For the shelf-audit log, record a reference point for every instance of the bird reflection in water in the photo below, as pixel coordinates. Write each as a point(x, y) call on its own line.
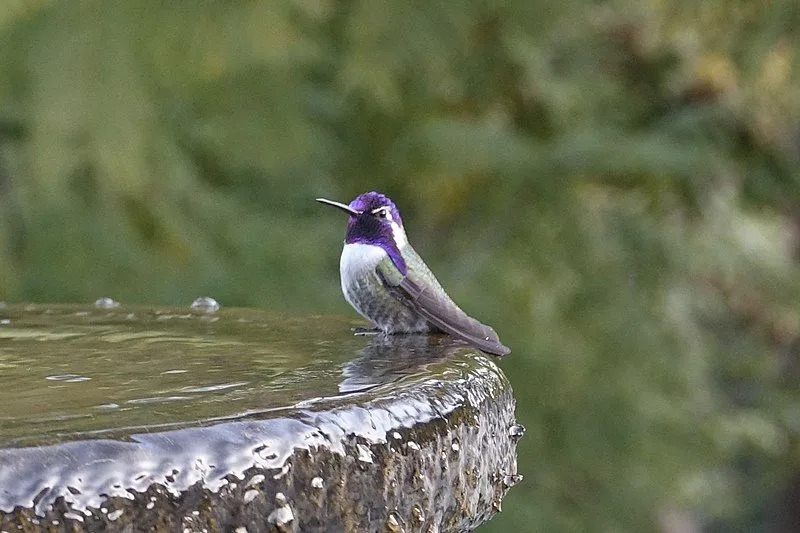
point(390, 358)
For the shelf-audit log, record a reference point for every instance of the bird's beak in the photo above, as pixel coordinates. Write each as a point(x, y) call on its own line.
point(343, 207)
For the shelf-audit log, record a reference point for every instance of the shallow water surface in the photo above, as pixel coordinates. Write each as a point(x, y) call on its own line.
point(76, 372)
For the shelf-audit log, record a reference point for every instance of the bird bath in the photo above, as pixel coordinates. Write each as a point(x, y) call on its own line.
point(177, 419)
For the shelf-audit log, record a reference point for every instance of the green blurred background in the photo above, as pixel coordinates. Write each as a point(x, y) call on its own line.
point(613, 185)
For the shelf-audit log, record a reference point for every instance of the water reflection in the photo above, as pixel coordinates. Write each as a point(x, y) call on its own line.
point(68, 378)
point(390, 358)
point(68, 372)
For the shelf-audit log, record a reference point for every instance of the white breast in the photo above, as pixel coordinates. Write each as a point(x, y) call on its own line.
point(357, 261)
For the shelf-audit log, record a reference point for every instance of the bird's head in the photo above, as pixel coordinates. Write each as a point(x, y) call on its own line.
point(375, 220)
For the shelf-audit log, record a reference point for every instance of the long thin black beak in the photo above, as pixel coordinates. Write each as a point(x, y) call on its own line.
point(343, 207)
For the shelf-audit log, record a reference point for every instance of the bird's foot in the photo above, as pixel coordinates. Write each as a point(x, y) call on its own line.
point(366, 331)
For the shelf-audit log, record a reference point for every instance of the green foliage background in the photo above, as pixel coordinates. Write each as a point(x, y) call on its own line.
point(613, 185)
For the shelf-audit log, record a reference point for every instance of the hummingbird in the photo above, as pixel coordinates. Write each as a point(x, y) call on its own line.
point(389, 284)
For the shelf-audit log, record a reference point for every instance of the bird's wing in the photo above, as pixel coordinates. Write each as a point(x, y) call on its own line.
point(418, 293)
point(449, 319)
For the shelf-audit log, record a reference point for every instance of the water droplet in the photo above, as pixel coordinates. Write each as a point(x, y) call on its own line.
point(283, 515)
point(205, 304)
point(255, 480)
point(364, 454)
point(105, 303)
point(516, 431)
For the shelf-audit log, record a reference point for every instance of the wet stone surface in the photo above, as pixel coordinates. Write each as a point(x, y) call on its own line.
point(128, 419)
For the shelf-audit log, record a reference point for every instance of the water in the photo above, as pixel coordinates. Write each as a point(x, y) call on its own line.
point(70, 372)
point(115, 415)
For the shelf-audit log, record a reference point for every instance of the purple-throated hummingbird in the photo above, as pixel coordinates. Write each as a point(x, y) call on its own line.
point(388, 283)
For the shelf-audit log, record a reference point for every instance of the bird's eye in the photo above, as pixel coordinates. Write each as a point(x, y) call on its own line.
point(382, 212)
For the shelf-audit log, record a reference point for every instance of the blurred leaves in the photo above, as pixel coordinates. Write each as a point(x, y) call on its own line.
point(613, 185)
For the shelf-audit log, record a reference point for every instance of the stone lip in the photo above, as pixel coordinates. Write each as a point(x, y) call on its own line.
point(401, 450)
